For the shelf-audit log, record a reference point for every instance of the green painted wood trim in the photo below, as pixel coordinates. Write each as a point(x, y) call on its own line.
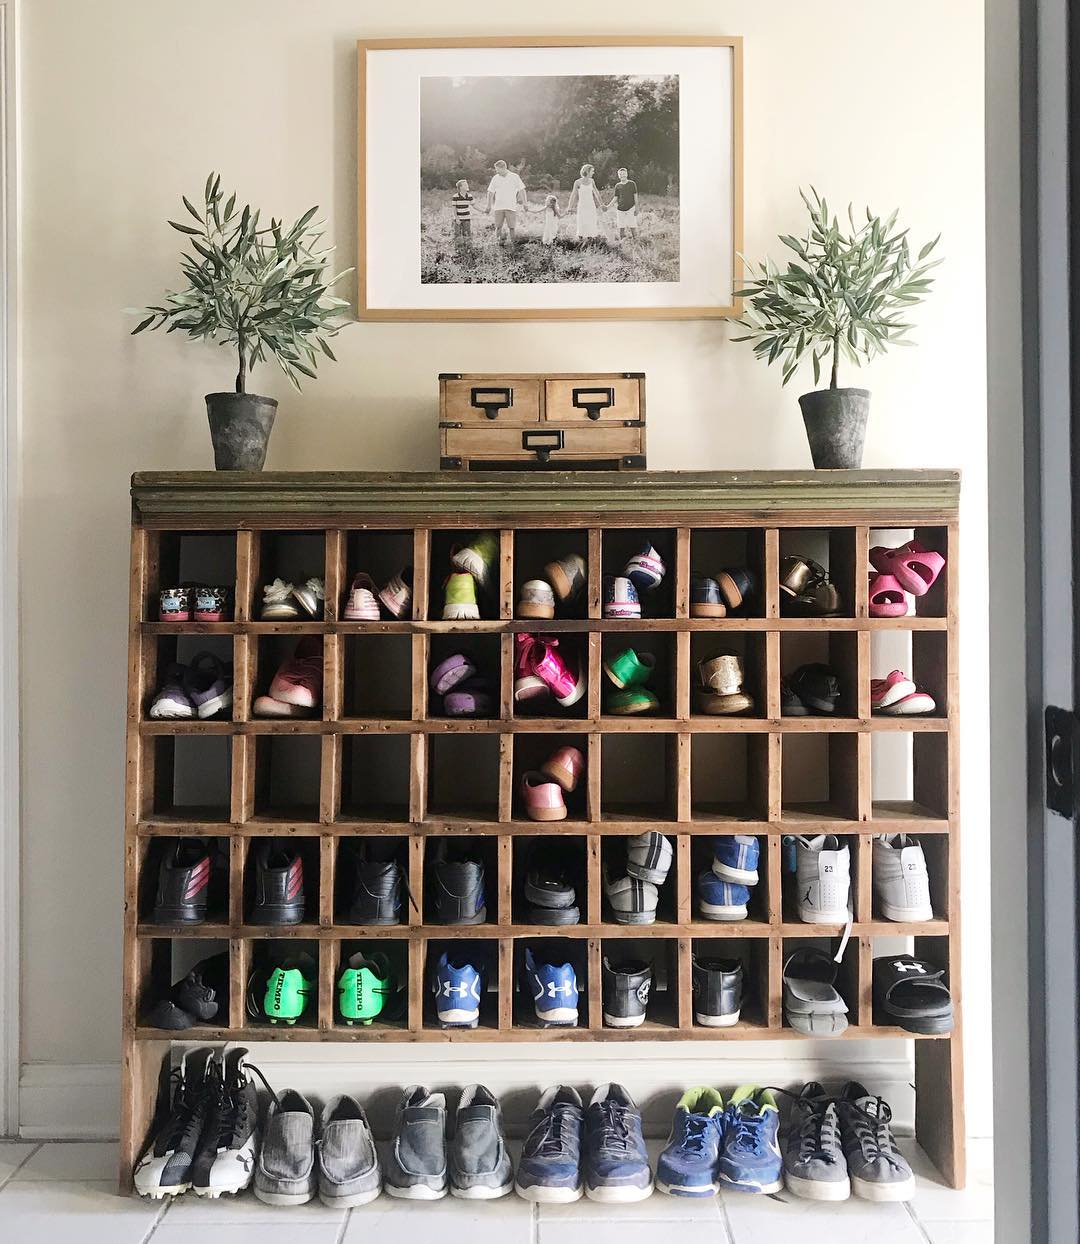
point(238, 494)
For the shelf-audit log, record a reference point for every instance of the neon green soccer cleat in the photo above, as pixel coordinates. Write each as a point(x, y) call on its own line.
point(288, 989)
point(363, 988)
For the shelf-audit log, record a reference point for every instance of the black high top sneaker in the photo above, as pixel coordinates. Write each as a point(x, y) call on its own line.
point(376, 888)
point(165, 1168)
point(625, 987)
point(225, 1159)
point(717, 987)
point(279, 885)
point(458, 886)
point(183, 883)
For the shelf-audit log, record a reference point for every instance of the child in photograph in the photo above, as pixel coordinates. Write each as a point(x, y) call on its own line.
point(461, 201)
point(625, 200)
point(552, 216)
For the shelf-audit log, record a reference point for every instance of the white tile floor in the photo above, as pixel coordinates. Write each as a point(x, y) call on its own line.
point(66, 1191)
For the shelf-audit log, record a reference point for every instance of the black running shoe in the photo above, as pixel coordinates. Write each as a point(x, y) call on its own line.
point(547, 882)
point(279, 884)
point(376, 888)
point(165, 1168)
point(458, 886)
point(626, 985)
point(183, 883)
point(225, 1159)
point(204, 992)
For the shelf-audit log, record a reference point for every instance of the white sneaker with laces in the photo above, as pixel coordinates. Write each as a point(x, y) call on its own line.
point(901, 882)
point(823, 880)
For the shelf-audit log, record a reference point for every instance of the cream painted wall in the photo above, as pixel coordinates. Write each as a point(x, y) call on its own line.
point(127, 104)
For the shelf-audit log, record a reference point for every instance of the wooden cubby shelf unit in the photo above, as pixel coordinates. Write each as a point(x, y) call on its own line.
point(689, 775)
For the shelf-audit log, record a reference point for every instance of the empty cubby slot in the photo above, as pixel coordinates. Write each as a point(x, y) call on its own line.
point(279, 871)
point(729, 777)
point(371, 984)
point(167, 999)
point(716, 552)
point(713, 680)
point(819, 777)
point(545, 869)
point(847, 970)
point(304, 656)
point(464, 956)
point(704, 849)
point(371, 876)
point(191, 776)
point(458, 597)
point(614, 854)
point(461, 879)
point(181, 651)
point(378, 676)
point(647, 966)
point(620, 545)
point(283, 983)
point(888, 874)
point(179, 875)
point(534, 751)
point(642, 661)
point(639, 778)
point(287, 771)
point(833, 550)
point(534, 552)
point(463, 675)
point(294, 557)
point(382, 555)
point(206, 558)
point(932, 603)
point(534, 698)
point(909, 775)
point(375, 777)
point(463, 776)
point(716, 958)
point(802, 653)
point(801, 897)
point(934, 950)
point(534, 987)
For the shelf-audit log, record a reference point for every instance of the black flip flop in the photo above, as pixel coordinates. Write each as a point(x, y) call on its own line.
point(911, 991)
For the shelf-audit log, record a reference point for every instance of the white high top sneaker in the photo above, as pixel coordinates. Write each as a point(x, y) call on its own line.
point(901, 883)
point(823, 880)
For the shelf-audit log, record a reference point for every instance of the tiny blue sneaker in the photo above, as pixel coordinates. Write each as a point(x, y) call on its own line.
point(554, 992)
point(549, 1171)
point(687, 1167)
point(750, 1158)
point(736, 859)
point(620, 598)
point(645, 569)
point(721, 900)
point(616, 1162)
point(456, 986)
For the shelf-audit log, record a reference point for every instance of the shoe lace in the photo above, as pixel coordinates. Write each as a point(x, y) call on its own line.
point(698, 1127)
point(553, 1139)
point(747, 1129)
point(873, 1131)
point(819, 1129)
point(190, 1102)
point(616, 1137)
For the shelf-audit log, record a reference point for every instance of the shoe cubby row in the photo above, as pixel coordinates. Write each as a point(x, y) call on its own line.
point(506, 1003)
point(843, 781)
point(244, 561)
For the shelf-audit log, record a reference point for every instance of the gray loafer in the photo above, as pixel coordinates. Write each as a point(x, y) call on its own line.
point(480, 1168)
point(285, 1174)
point(349, 1172)
point(416, 1164)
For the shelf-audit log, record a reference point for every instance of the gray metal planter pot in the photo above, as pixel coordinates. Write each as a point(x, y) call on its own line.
point(240, 427)
point(835, 422)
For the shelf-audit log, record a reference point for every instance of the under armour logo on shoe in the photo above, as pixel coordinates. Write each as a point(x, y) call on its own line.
point(900, 966)
point(448, 989)
point(566, 988)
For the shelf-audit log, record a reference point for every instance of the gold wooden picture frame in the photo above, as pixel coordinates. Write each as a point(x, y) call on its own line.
point(631, 255)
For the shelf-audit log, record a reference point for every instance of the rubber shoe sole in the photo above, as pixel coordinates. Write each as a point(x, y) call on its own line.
point(686, 1190)
point(619, 1194)
point(869, 1191)
point(541, 1194)
point(817, 1189)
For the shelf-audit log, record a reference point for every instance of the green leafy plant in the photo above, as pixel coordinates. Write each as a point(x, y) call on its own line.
point(262, 289)
point(846, 296)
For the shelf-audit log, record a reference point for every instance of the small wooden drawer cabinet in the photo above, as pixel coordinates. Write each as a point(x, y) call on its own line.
point(487, 422)
point(380, 762)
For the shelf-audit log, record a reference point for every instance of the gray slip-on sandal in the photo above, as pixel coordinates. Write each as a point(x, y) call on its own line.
point(812, 1004)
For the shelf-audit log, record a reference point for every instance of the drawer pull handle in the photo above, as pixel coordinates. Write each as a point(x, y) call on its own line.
point(593, 401)
point(491, 401)
point(542, 443)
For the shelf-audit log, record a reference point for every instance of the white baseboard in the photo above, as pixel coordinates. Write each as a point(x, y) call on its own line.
point(81, 1101)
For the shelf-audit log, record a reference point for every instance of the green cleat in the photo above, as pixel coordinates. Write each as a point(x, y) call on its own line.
point(363, 988)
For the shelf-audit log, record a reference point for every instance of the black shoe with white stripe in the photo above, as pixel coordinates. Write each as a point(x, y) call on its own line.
point(626, 985)
point(165, 1168)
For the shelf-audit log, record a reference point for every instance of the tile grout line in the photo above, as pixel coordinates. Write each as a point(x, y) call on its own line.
point(534, 1223)
point(909, 1206)
point(18, 1167)
point(158, 1221)
point(725, 1220)
point(344, 1226)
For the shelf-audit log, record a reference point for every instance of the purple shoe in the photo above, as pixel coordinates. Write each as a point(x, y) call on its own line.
point(472, 698)
point(447, 674)
point(209, 685)
point(171, 700)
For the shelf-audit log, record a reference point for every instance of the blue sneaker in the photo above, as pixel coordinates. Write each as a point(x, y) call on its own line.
point(616, 1162)
point(456, 986)
point(736, 859)
point(554, 992)
point(687, 1167)
point(721, 900)
point(620, 598)
point(750, 1159)
point(550, 1167)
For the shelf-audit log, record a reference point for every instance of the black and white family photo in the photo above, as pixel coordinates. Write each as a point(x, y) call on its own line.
point(548, 179)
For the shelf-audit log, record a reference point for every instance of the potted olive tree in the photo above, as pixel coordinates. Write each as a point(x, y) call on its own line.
point(262, 289)
point(846, 297)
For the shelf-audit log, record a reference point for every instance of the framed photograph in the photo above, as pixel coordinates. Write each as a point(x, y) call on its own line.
point(549, 178)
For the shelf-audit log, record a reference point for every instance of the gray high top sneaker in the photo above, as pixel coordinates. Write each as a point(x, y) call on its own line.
point(480, 1168)
point(814, 1163)
point(349, 1171)
point(416, 1163)
point(285, 1173)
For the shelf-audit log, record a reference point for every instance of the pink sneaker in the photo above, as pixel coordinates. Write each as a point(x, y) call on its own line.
point(361, 604)
point(527, 684)
point(565, 766)
point(566, 686)
point(299, 680)
point(543, 798)
point(887, 691)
